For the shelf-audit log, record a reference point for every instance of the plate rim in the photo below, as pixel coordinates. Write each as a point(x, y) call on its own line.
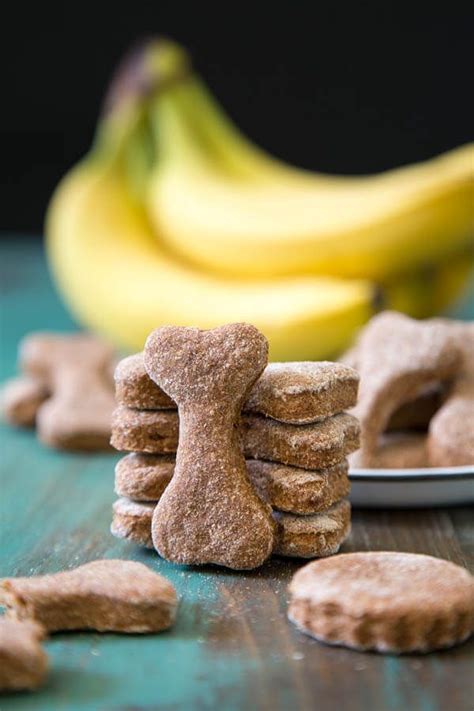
point(420, 474)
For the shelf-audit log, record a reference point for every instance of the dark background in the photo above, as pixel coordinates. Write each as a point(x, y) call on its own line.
point(345, 87)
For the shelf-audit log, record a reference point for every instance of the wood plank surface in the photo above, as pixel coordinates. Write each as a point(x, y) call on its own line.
point(232, 647)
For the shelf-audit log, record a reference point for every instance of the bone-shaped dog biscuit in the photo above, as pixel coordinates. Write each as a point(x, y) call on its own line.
point(451, 430)
point(210, 512)
point(20, 400)
point(104, 595)
point(396, 357)
point(76, 371)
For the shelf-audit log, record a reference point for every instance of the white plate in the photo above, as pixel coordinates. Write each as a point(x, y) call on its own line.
point(386, 488)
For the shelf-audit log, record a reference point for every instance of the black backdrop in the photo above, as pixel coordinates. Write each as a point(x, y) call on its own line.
point(348, 87)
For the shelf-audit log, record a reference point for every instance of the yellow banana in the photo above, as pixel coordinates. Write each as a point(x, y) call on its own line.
point(119, 280)
point(116, 272)
point(247, 215)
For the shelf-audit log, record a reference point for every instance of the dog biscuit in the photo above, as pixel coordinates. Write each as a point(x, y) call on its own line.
point(397, 356)
point(134, 388)
point(397, 450)
point(313, 536)
point(210, 513)
point(146, 431)
point(416, 414)
point(451, 430)
point(315, 446)
point(290, 392)
point(20, 400)
point(23, 661)
point(387, 602)
point(105, 595)
point(132, 520)
point(299, 491)
point(75, 369)
point(143, 477)
point(299, 393)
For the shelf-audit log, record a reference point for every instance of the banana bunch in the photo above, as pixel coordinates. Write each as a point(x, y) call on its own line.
point(174, 217)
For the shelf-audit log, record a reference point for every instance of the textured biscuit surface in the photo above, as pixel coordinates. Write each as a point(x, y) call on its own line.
point(20, 399)
point(146, 431)
point(314, 536)
point(389, 602)
point(132, 520)
point(416, 414)
point(310, 536)
point(143, 477)
point(397, 450)
point(299, 491)
point(134, 387)
point(314, 446)
point(75, 368)
point(289, 392)
point(303, 392)
point(396, 357)
point(210, 513)
point(23, 661)
point(105, 595)
point(451, 430)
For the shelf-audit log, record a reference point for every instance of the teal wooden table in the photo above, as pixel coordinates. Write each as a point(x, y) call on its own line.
point(232, 646)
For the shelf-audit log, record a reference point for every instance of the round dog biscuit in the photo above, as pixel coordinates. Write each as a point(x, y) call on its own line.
point(314, 536)
point(388, 602)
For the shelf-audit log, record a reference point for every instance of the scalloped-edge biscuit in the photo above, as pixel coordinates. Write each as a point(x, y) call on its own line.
point(23, 661)
point(315, 536)
point(384, 601)
point(149, 431)
point(134, 387)
point(300, 393)
point(315, 446)
point(299, 491)
point(297, 393)
point(132, 520)
point(144, 477)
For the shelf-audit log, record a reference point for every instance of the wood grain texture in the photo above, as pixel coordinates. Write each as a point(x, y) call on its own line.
point(232, 647)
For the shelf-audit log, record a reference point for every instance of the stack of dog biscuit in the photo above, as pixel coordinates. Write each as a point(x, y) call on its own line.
point(296, 439)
